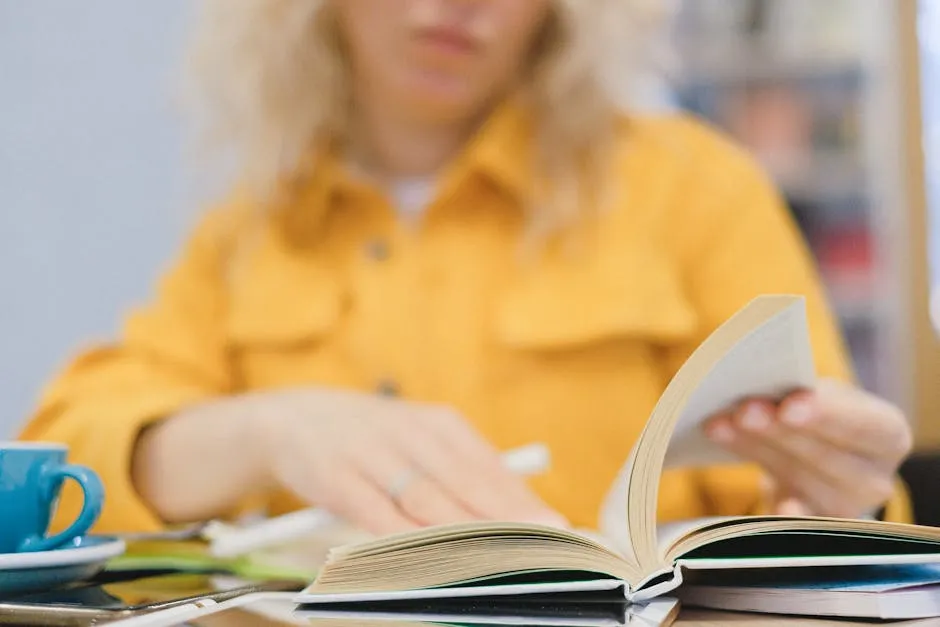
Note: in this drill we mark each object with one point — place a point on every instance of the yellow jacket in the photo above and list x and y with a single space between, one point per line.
567 346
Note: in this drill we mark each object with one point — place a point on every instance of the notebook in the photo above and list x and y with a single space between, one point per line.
763 350
870 592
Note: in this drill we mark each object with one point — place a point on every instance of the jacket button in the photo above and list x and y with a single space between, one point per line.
388 388
378 250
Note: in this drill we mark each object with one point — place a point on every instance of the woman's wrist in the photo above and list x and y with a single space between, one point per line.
260 432
202 462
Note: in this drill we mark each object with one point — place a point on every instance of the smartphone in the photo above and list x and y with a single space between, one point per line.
116 596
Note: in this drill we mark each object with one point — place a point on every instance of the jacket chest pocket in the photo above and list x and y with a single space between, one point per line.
634 292
283 319
577 361
586 321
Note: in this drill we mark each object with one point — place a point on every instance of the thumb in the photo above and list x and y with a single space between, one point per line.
782 503
792 507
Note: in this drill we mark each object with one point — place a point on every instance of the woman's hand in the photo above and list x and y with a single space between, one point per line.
386 465
833 451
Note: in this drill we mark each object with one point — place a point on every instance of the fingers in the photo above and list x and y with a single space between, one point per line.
830 479
345 452
784 503
793 507
356 498
472 471
844 470
425 502
421 498
850 419
459 476
794 477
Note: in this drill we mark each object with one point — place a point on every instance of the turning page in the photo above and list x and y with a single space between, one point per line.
763 350
772 360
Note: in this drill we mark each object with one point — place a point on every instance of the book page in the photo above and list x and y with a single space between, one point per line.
668 534
468 553
771 361
312 596
612 522
792 541
763 350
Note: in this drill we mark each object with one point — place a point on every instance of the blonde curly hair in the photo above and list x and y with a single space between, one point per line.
268 82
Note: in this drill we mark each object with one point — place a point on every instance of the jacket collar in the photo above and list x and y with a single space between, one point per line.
501 152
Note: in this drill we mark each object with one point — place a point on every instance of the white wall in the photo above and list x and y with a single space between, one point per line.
92 193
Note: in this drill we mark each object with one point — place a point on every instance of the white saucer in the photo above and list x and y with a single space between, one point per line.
80 559
84 550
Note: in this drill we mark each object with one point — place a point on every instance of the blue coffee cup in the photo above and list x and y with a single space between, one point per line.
31 476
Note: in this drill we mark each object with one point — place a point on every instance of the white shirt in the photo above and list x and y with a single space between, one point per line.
411 197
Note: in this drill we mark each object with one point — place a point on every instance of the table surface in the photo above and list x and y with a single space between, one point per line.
272 616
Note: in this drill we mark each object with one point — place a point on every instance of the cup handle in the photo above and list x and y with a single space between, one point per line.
91 508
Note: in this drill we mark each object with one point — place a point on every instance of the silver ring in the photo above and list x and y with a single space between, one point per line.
397 487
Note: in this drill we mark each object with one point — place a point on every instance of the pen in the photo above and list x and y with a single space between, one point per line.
226 541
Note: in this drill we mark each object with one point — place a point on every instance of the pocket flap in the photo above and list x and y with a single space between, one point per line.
579 299
280 296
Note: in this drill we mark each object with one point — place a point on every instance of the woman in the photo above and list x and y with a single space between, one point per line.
449 241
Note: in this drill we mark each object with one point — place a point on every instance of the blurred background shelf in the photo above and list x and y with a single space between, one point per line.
748 59
802 84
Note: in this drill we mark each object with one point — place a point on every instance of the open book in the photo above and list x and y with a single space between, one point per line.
763 350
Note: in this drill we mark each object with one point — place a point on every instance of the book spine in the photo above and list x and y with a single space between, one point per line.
656 585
